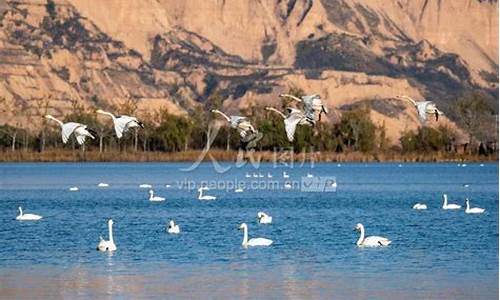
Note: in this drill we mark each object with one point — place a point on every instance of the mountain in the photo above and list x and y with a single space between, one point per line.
178 54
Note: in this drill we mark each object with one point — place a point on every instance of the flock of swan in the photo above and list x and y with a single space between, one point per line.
308 115
452 206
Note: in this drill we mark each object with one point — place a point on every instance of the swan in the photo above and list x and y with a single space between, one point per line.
145 186
122 123
473 210
269 175
247 175
420 206
168 186
173 228
107 245
255 241
309 175
449 206
334 184
80 131
339 165
264 218
238 190
102 184
287 186
423 108
255 175
285 175
27 217
73 189
313 106
370 241
481 165
261 175
295 117
204 197
248 134
154 198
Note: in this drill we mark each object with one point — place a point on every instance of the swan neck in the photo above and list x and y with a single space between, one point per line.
110 232
445 200
361 236
245 236
20 211
58 121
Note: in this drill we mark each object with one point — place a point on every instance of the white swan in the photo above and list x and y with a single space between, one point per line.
27 217
247 175
420 206
80 131
309 175
449 206
73 189
261 175
423 108
269 175
264 218
285 175
472 210
102 184
255 241
370 241
238 190
295 117
313 106
255 175
248 133
204 197
145 186
173 228
107 245
122 123
287 186
154 198
168 186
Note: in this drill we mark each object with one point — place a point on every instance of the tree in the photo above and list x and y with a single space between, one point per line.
357 130
477 117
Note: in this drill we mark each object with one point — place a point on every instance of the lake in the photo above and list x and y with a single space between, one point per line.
435 254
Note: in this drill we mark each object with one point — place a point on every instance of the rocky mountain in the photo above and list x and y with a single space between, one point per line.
176 55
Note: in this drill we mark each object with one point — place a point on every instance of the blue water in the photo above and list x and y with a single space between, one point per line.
435 254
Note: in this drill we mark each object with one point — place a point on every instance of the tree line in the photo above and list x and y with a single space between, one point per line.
165 132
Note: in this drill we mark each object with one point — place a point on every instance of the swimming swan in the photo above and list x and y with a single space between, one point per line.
264 218
27 217
107 245
152 197
370 241
255 241
173 228
102 184
449 206
420 206
473 210
73 189
145 186
204 197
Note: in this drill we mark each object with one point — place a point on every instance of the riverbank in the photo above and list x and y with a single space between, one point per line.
221 155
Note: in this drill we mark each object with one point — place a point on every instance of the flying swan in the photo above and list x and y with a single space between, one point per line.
107 245
80 131
423 108
27 217
122 123
248 134
370 241
295 117
313 106
255 241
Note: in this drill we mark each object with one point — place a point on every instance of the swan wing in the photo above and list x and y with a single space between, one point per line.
68 129
121 125
422 110
291 124
375 241
259 242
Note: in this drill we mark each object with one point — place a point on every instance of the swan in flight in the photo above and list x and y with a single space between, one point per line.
154 198
264 218
102 184
313 106
204 197
449 206
370 241
27 217
73 189
145 186
107 245
80 131
423 108
122 123
255 241
295 117
248 134
173 228
472 210
420 206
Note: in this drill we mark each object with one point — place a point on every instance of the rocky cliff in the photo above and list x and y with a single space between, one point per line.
178 54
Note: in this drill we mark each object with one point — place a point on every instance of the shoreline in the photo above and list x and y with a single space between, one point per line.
222 155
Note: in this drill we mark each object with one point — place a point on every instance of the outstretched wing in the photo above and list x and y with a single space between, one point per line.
236 120
291 124
68 129
422 110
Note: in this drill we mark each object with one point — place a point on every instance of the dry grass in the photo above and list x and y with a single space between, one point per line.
220 155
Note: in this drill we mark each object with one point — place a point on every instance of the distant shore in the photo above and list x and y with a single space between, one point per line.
222 155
